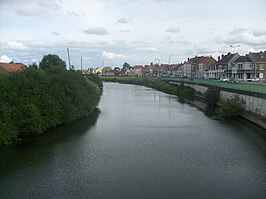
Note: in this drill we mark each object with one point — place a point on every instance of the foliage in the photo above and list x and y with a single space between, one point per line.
126 65
184 93
50 61
33 66
231 107
33 101
212 96
96 79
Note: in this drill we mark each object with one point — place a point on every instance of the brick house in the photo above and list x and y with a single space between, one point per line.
202 66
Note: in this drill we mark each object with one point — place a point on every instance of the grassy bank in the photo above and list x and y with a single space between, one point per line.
33 101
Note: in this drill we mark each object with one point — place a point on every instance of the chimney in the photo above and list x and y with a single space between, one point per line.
219 58
222 56
188 59
261 54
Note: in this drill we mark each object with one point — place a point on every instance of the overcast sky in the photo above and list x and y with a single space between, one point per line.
136 31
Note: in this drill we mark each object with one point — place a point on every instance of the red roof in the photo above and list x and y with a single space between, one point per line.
12 67
138 67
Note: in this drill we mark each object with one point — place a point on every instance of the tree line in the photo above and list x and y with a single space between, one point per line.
44 96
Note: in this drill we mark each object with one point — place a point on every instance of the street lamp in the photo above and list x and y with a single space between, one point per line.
169 59
233 47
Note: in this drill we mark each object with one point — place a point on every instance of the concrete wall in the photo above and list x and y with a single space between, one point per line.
254 104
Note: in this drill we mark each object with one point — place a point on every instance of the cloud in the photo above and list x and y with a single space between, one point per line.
124 31
245 36
33 7
13 45
258 33
72 13
5 59
55 33
173 29
96 31
177 40
122 20
29 11
148 49
50 4
112 55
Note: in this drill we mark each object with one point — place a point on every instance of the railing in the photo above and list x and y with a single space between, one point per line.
249 87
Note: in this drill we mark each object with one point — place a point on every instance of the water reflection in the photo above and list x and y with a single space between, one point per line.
39 150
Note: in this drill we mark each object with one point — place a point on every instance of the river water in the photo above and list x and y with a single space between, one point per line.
139 143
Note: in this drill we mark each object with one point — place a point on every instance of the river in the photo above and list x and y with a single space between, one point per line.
139 143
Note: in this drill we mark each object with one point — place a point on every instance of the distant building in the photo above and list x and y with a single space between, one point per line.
259 64
202 66
189 68
242 68
138 70
11 67
223 67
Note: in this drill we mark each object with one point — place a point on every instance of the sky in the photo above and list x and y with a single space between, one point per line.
111 32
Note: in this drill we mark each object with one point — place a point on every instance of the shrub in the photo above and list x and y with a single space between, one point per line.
212 96
231 107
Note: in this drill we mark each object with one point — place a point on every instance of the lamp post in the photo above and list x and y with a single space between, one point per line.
233 47
169 58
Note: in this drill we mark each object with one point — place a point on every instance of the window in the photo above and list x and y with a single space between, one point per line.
240 66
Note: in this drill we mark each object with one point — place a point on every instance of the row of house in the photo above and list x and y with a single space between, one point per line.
252 65
203 67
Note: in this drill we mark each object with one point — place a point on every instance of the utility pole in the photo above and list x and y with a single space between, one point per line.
81 63
68 59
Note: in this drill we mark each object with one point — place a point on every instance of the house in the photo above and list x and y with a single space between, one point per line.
259 64
149 70
138 70
97 71
202 66
11 67
107 71
189 68
176 70
213 72
243 68
225 65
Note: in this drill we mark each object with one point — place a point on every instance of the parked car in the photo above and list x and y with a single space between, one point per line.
224 79
253 79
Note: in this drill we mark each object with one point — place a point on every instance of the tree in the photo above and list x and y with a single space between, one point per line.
51 61
126 65
33 66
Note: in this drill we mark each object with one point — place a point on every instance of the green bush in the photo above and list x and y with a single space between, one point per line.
33 101
231 107
212 96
